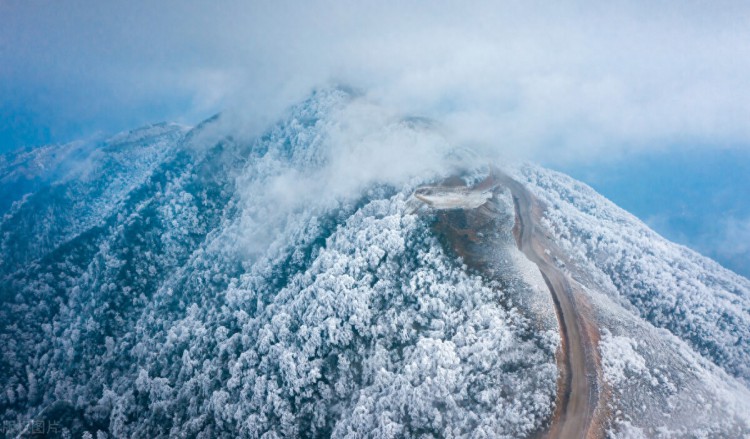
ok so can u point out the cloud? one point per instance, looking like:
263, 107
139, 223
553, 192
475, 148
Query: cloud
733, 244
570, 81
737, 241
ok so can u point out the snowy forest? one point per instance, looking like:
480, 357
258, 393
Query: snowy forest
202, 283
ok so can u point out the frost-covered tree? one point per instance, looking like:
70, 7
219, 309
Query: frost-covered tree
186, 292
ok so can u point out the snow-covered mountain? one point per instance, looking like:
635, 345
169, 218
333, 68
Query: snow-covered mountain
348, 273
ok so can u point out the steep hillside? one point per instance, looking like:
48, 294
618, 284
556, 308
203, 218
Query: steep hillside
214, 296
348, 273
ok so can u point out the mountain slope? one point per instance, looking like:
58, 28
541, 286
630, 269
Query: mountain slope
347, 273
660, 383
669, 285
71, 195
213, 302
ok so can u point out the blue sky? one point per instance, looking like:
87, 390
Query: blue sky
646, 101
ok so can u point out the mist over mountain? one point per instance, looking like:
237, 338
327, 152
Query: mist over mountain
349, 272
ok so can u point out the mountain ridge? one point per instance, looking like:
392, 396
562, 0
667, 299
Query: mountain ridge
292, 285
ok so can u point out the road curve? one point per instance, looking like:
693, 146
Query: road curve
579, 389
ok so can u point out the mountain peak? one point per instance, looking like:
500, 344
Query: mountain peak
351, 272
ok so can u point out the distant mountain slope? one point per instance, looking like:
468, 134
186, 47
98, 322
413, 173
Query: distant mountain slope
59, 192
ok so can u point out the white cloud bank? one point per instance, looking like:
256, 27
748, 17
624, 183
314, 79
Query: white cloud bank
558, 82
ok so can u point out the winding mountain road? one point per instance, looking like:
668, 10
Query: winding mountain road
469, 220
578, 393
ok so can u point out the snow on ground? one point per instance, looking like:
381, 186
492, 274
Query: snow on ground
442, 198
665, 378
620, 359
200, 292
78, 193
661, 387
667, 284
213, 303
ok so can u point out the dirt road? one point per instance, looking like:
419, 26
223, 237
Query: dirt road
578, 395
469, 221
